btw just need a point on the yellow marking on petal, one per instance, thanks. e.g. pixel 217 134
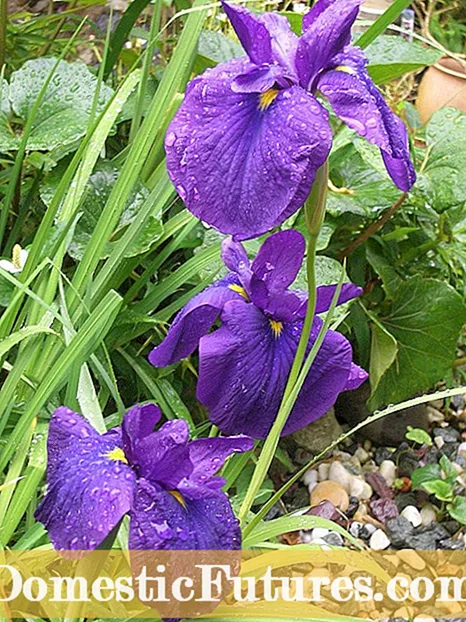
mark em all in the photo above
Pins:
pixel 346 69
pixel 118 455
pixel 267 98
pixel 16 257
pixel 240 290
pixel 276 327
pixel 178 496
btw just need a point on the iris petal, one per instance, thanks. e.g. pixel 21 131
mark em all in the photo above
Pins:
pixel 254 35
pixel 240 168
pixel 159 521
pixel 89 488
pixel 194 321
pixel 245 364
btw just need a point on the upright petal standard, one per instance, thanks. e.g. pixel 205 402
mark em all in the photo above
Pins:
pixel 164 481
pixel 244 364
pixel 245 145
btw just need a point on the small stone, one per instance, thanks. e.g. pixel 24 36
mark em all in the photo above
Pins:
pixel 452 544
pixel 452 526
pixel 330 491
pixel 355 529
pixel 413 515
pixel 362 455
pixel 356 488
pixel 353 507
pixel 397 530
pixel 404 499
pixel 367 444
pixel 381 454
pixel 383 509
pixel 462 449
pixel 438 440
pixel 334 539
pixel 434 415
pixel 367 492
pixel 325 509
pixel 319 532
pixel 300 498
pixel 428 515
pixel 449 435
pixel 339 474
pixel 305 537
pixel 323 470
pixel 412 559
pixel 318 435
pixel 310 479
pixel 388 471
pixel 322 544
pixel 379 485
pixel 424 618
pixel 379 541
pixel 421 542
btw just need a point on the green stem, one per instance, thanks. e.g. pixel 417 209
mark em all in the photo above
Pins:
pixel 314 210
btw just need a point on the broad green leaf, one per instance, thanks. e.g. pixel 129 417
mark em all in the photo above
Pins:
pixel 8 140
pixel 391 56
pixel 442 181
pixel 379 262
pixel 457 509
pixel 63 115
pixel 383 353
pixel 449 470
pixel 428 473
pixel 96 194
pixel 442 490
pixel 419 436
pixel 378 27
pixel 425 319
pixel 215 47
pixel 15 338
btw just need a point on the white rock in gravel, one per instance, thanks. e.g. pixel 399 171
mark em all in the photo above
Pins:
pixel 358 488
pixel 355 528
pixel 424 619
pixel 319 533
pixel 462 449
pixel 338 473
pixel 412 559
pixel 310 477
pixel 323 545
pixel 413 515
pixel 362 455
pixel 438 440
pixel 388 470
pixel 323 470
pixel 305 537
pixel 434 415
pixel 367 492
pixel 379 541
pixel 428 515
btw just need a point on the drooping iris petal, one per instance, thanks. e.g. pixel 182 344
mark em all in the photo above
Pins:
pixel 194 321
pixel 164 521
pixel 89 485
pixel 279 259
pixel 356 377
pixel 138 423
pixel 325 295
pixel 236 259
pixel 242 162
pixel 318 8
pixel 163 456
pixel 284 42
pixel 358 102
pixel 244 367
pixel 253 34
pixel 327 33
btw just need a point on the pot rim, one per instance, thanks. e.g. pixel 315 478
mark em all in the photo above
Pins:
pixel 438 65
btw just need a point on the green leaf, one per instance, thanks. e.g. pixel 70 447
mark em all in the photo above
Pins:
pixel 379 262
pixel 425 319
pixel 379 26
pixel 457 509
pixel 428 473
pixel 15 338
pixel 96 194
pixel 419 436
pixel 391 56
pixel 441 489
pixel 442 181
pixel 448 469
pixel 63 114
pixel 215 47
pixel 383 353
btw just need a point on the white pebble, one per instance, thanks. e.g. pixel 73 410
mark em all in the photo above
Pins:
pixel 323 545
pixel 438 440
pixel 367 492
pixel 413 515
pixel 412 559
pixel 355 529
pixel 357 488
pixel 362 455
pixel 310 477
pixel 338 473
pixel 428 515
pixel 318 533
pixel 434 415
pixel 388 470
pixel 305 537
pixel 323 470
pixel 379 541
pixel 462 449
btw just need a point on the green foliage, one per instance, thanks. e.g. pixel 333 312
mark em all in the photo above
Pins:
pixel 418 436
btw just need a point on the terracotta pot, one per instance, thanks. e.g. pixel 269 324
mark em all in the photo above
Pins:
pixel 443 84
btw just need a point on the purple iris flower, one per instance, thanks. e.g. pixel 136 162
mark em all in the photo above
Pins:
pixel 163 480
pixel 244 147
pixel 244 364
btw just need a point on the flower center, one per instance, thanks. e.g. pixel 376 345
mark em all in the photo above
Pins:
pixel 276 327
pixel 117 454
pixel 267 98
pixel 240 290
pixel 16 257
pixel 178 496
pixel 346 69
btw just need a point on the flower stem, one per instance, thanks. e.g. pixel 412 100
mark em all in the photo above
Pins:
pixel 314 210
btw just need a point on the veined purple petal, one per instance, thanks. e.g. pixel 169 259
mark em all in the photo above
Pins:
pixel 194 321
pixel 279 259
pixel 254 35
pixel 327 33
pixel 318 8
pixel 245 364
pixel 244 163
pixel 358 102
pixel 236 259
pixel 258 79
pixel 284 42
pixel 161 520
pixel 162 456
pixel 356 378
pixel 325 295
pixel 139 422
pixel 89 484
